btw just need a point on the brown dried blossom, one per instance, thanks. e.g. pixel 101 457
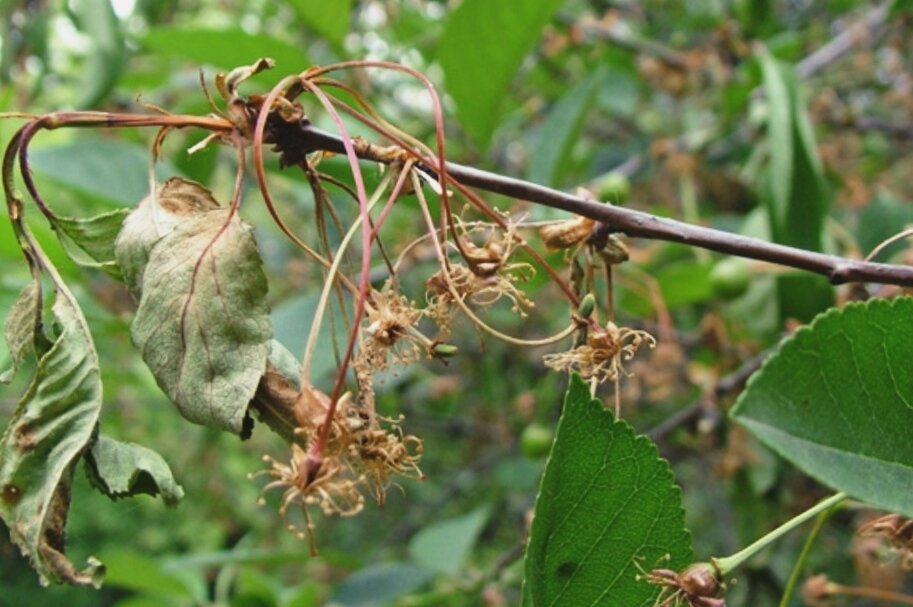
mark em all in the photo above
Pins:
pixel 359 455
pixel 487 277
pixel 388 336
pixel 601 357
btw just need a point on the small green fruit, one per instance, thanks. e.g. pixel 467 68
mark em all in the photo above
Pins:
pixel 730 278
pixel 613 188
pixel 536 440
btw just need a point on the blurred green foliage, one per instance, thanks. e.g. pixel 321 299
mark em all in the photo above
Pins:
pixel 704 106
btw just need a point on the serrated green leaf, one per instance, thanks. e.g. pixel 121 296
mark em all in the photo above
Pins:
pixel 560 130
pixel 483 45
pixel 120 469
pixel 837 401
pixel 607 505
pixel 329 19
pixel 444 546
pixel 203 323
pixel 20 327
pixel 49 430
pixel 90 242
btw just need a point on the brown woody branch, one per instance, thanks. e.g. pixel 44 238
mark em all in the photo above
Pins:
pixel 297 139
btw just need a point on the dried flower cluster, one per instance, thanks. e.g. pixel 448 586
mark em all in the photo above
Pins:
pixel 359 456
pixel 897 530
pixel 602 355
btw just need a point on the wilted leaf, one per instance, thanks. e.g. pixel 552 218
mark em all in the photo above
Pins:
pixel 607 504
pixel 120 469
pixel 20 327
pixel 51 427
pixel 202 323
pixel 836 401
pixel 151 220
pixel 90 242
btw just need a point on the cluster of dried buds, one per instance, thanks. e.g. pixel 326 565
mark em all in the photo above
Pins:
pixel 362 451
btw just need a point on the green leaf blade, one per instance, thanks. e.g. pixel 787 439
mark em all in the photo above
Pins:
pixel 482 47
pixel 51 427
pixel 607 506
pixel 837 401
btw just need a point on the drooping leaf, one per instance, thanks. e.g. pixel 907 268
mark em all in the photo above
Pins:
pixel 444 546
pixel 483 45
pixel 120 469
pixel 837 401
pixel 607 505
pixel 329 19
pixel 798 198
pixel 151 220
pixel 202 323
pixel 52 425
pixel 560 130
pixel 20 327
pixel 90 242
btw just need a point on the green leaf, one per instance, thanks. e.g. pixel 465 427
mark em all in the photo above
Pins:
pixel 560 130
pixel 111 169
pixel 882 218
pixel 49 430
pixel 443 547
pixel 202 323
pixel 378 585
pixel 607 505
pixel 483 45
pixel 107 54
pixel 835 400
pixel 798 198
pixel 224 48
pixel 21 326
pixel 120 469
pixel 137 572
pixel 90 242
pixel 329 19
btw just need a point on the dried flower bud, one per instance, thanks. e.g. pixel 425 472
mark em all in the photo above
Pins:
pixel 567 234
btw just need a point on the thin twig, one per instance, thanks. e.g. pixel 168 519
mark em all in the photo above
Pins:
pixel 635 223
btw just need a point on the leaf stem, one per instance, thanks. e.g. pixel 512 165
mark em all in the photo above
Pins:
pixel 311 345
pixel 729 563
pixel 799 567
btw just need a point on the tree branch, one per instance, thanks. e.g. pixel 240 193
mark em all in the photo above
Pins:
pixel 303 137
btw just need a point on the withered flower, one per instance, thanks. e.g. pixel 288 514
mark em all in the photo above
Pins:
pixel 897 530
pixel 387 335
pixel 602 356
